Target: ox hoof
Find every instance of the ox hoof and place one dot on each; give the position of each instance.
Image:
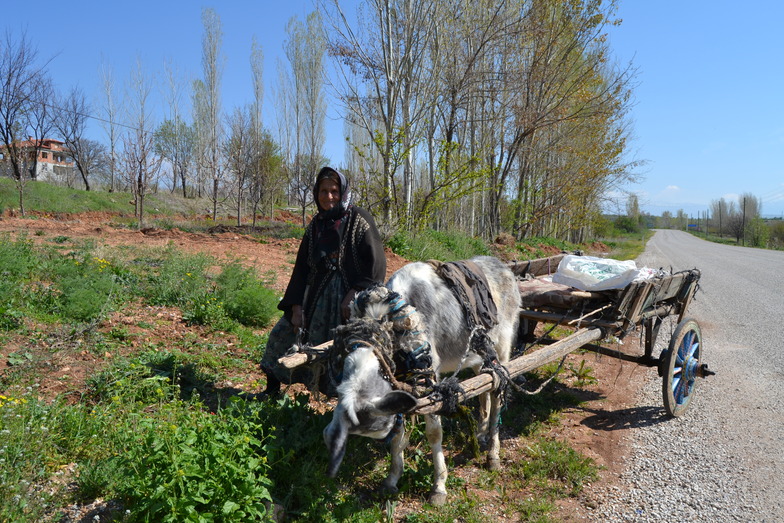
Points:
(493, 464)
(437, 499)
(388, 490)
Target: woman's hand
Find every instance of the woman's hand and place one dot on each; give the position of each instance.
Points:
(344, 306)
(297, 317)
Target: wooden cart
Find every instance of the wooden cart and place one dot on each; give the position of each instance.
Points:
(595, 316)
(642, 305)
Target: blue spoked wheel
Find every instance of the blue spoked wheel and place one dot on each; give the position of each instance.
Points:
(681, 367)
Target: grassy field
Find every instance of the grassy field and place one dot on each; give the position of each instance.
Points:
(128, 382)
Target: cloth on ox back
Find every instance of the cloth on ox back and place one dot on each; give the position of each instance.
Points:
(470, 287)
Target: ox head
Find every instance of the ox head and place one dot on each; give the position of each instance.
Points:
(367, 405)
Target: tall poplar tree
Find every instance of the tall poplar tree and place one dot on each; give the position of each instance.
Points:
(212, 69)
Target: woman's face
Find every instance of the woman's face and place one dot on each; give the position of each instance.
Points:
(328, 194)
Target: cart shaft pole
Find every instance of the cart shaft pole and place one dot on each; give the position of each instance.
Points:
(484, 382)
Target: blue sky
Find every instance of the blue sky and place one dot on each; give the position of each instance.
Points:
(708, 114)
(709, 110)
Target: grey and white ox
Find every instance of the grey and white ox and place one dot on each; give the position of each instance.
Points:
(368, 405)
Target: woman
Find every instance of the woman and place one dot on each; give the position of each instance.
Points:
(341, 253)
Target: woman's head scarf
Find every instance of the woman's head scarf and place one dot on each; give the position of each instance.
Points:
(329, 224)
(339, 178)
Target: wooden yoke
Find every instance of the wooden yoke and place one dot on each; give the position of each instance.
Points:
(307, 356)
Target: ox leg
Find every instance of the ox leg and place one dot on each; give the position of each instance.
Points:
(435, 435)
(493, 439)
(396, 447)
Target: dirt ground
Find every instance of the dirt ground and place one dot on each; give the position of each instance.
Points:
(597, 428)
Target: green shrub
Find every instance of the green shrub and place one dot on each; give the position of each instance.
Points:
(438, 245)
(401, 245)
(147, 379)
(559, 465)
(180, 278)
(11, 313)
(87, 297)
(185, 464)
(37, 440)
(18, 259)
(245, 298)
(254, 306)
(84, 288)
(205, 309)
(627, 225)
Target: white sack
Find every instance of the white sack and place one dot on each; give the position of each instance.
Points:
(589, 273)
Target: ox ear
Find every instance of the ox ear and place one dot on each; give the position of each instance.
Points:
(395, 402)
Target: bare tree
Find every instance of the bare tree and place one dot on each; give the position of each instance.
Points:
(681, 219)
(257, 72)
(240, 153)
(382, 71)
(39, 117)
(749, 208)
(288, 131)
(176, 134)
(720, 212)
(141, 164)
(71, 120)
(21, 79)
(633, 208)
(94, 156)
(267, 179)
(201, 135)
(109, 122)
(176, 142)
(304, 104)
(266, 154)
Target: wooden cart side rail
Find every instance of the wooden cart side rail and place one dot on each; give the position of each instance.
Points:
(525, 363)
(537, 267)
(567, 319)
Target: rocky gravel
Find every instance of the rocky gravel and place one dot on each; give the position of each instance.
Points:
(724, 459)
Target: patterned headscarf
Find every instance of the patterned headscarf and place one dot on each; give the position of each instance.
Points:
(330, 224)
(345, 192)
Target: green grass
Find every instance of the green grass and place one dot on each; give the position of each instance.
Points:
(187, 448)
(155, 432)
(430, 244)
(47, 198)
(628, 246)
(163, 210)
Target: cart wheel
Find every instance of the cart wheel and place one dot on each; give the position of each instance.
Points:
(680, 365)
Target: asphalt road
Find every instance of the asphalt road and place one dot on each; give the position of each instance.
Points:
(730, 444)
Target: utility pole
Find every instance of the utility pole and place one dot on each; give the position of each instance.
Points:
(743, 223)
(707, 223)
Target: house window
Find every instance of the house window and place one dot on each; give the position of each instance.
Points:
(44, 155)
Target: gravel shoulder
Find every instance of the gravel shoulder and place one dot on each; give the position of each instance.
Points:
(723, 460)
